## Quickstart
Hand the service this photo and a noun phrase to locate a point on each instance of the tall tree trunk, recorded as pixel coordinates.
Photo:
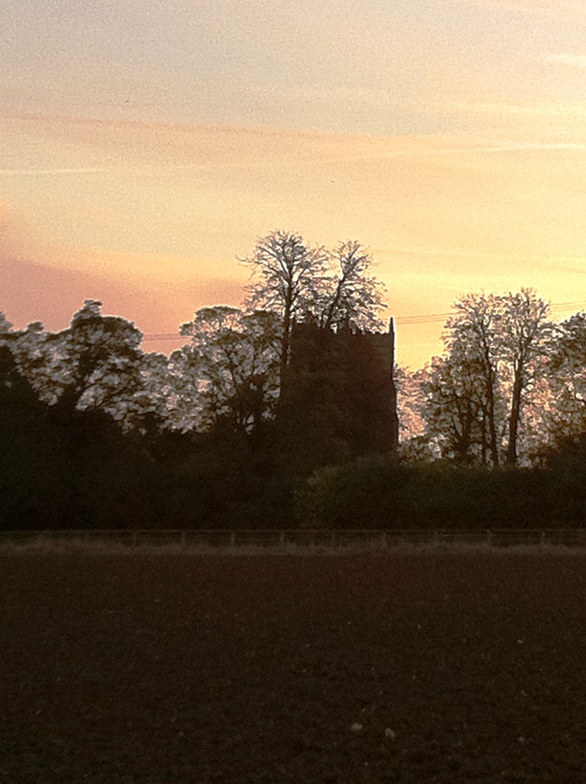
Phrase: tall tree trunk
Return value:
(286, 340)
(515, 416)
(490, 410)
(494, 448)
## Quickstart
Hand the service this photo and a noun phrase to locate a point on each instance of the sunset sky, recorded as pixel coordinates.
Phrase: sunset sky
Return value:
(146, 144)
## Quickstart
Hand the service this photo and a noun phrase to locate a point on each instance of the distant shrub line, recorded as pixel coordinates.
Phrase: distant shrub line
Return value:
(59, 482)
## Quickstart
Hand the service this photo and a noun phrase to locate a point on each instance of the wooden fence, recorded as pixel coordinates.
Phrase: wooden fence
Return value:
(296, 538)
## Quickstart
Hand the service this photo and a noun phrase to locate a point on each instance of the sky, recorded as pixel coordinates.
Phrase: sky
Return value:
(146, 145)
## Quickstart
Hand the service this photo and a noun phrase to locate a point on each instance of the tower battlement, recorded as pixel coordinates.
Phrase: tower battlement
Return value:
(340, 390)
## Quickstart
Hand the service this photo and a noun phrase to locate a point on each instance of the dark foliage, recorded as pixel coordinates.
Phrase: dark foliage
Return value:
(567, 468)
(381, 493)
(64, 469)
(326, 459)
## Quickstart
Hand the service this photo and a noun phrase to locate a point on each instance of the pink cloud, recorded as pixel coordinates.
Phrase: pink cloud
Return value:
(34, 291)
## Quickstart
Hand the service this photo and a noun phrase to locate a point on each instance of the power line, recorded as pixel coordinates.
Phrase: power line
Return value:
(565, 305)
(429, 318)
(163, 336)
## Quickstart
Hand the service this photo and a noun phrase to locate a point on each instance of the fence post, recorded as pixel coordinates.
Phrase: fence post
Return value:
(542, 538)
(232, 539)
(282, 538)
(183, 540)
(383, 540)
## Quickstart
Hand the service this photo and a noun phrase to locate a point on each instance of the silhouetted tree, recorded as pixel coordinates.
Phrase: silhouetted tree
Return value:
(234, 358)
(312, 285)
(290, 284)
(91, 365)
(97, 361)
(478, 390)
(526, 333)
(352, 298)
(452, 410)
(565, 412)
(473, 341)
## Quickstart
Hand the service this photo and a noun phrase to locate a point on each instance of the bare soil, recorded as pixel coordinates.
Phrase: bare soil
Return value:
(169, 668)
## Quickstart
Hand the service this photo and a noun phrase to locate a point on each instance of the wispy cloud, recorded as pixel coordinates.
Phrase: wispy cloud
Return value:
(50, 172)
(566, 8)
(97, 170)
(544, 126)
(503, 108)
(158, 148)
(576, 60)
(530, 147)
(103, 147)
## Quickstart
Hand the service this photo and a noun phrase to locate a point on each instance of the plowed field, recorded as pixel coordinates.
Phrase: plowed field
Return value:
(445, 667)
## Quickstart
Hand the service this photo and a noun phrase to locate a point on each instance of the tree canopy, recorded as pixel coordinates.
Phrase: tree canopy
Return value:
(299, 283)
(288, 403)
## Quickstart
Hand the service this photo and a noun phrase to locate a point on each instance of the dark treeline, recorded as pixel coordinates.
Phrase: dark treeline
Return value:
(283, 412)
